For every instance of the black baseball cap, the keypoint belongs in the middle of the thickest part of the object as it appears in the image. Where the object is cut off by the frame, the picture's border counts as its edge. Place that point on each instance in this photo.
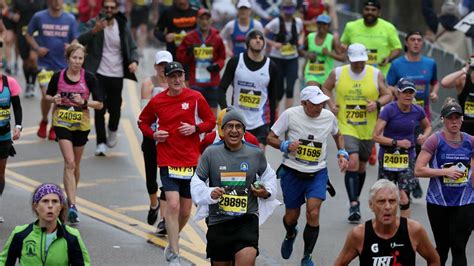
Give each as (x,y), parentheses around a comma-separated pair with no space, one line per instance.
(173,67)
(375,3)
(451,109)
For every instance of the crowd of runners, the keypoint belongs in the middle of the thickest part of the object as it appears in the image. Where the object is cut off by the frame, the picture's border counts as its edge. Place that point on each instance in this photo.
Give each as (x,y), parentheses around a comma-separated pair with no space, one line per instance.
(204,148)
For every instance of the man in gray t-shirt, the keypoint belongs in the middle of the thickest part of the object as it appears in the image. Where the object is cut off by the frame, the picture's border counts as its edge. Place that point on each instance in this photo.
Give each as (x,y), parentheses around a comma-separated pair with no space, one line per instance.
(238,175)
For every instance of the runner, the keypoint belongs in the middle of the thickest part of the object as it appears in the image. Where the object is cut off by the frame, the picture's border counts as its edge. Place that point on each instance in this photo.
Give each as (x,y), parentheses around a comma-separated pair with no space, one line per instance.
(394,131)
(204,52)
(253,77)
(462,81)
(55,30)
(450,196)
(178,109)
(387,239)
(113,57)
(63,244)
(139,14)
(233,179)
(9,96)
(303,173)
(360,92)
(322,48)
(235,31)
(151,87)
(69,90)
(288,36)
(173,24)
(312,9)
(422,70)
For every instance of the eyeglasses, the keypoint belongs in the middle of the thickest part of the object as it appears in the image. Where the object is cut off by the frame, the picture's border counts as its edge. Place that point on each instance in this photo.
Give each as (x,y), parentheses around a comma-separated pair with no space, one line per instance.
(233,126)
(109,7)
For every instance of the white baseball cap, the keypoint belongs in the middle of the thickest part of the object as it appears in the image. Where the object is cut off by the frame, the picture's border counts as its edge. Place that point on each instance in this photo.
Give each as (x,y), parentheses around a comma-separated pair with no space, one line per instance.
(244,3)
(163,56)
(357,52)
(313,94)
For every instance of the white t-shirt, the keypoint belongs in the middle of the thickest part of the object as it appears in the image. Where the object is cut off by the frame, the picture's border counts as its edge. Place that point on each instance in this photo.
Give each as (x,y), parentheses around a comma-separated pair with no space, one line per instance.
(111,63)
(274,27)
(293,124)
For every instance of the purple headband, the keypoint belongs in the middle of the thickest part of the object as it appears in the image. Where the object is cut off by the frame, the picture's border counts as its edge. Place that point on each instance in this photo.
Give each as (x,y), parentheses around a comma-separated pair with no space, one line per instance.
(46,189)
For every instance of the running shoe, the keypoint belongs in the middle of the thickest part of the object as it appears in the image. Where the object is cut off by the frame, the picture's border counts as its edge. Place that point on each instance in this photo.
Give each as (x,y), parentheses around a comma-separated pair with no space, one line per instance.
(42,129)
(30,91)
(73,215)
(307,261)
(101,149)
(171,257)
(417,191)
(111,138)
(153,214)
(354,214)
(287,246)
(1,219)
(52,134)
(161,228)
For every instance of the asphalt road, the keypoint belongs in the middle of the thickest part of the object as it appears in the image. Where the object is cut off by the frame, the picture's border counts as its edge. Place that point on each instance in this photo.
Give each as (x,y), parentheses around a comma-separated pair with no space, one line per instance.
(113,201)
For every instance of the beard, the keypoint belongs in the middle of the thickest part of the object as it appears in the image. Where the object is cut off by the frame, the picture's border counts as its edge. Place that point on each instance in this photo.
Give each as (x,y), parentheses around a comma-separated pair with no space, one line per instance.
(370,19)
(255,50)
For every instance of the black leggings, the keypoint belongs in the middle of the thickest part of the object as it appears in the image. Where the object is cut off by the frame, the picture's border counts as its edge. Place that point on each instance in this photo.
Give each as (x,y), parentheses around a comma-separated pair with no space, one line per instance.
(451,228)
(112,89)
(149,156)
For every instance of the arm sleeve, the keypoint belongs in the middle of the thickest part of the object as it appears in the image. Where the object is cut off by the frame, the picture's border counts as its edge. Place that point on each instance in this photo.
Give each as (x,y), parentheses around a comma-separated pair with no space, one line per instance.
(434,77)
(268,178)
(206,115)
(345,38)
(392,76)
(250,138)
(220,53)
(53,84)
(77,251)
(33,25)
(394,40)
(132,46)
(9,254)
(206,141)
(87,36)
(181,52)
(93,85)
(18,112)
(272,88)
(430,16)
(200,191)
(226,80)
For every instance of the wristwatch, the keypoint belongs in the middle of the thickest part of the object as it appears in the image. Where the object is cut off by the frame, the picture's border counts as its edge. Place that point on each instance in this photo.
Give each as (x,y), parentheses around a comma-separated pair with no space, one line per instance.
(394,142)
(19,127)
(196,127)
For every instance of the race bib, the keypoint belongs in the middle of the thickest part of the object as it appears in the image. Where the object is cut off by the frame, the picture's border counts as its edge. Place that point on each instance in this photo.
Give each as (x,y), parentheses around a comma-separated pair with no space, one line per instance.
(203,53)
(288,50)
(372,55)
(69,117)
(233,205)
(308,151)
(5,114)
(356,114)
(469,108)
(180,172)
(420,102)
(316,68)
(201,74)
(462,181)
(249,99)
(44,76)
(395,161)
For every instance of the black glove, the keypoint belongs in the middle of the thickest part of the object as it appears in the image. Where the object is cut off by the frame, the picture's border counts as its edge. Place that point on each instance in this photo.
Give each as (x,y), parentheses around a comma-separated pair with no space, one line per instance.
(213,68)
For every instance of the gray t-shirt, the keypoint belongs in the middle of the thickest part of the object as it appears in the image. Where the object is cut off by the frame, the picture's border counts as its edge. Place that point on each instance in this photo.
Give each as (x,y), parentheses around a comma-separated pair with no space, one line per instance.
(234,171)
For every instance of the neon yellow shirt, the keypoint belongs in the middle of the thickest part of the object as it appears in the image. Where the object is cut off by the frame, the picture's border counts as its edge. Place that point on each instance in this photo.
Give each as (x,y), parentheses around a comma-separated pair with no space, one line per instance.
(379,40)
(351,97)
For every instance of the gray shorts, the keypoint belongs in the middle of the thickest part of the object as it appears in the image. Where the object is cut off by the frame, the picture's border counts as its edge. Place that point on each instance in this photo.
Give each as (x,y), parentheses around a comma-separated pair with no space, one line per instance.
(362,147)
(405,180)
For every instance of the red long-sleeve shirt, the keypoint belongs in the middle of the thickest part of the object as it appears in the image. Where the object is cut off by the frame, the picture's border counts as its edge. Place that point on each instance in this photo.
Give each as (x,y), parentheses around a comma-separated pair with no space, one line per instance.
(188,107)
(86,12)
(193,39)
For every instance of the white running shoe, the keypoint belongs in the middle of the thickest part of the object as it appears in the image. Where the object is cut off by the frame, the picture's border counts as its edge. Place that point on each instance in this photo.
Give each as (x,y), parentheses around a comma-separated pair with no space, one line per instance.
(101,149)
(1,219)
(111,138)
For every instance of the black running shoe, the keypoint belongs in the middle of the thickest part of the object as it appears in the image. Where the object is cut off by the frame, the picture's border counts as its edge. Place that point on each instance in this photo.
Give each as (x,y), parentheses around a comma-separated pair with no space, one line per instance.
(153,214)
(161,228)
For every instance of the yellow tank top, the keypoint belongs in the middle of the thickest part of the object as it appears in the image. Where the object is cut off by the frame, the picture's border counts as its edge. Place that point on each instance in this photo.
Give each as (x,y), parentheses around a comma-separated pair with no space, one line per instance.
(351,97)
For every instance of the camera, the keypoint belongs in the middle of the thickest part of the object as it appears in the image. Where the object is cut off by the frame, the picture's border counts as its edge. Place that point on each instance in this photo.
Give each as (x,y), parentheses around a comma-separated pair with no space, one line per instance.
(102,16)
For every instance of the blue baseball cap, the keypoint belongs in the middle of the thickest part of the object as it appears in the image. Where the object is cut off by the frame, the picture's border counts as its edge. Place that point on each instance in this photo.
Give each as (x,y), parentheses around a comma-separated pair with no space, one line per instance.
(323,19)
(406,84)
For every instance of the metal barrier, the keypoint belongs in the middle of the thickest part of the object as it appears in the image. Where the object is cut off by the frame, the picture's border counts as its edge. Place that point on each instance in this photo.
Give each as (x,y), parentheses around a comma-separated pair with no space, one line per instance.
(446,63)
